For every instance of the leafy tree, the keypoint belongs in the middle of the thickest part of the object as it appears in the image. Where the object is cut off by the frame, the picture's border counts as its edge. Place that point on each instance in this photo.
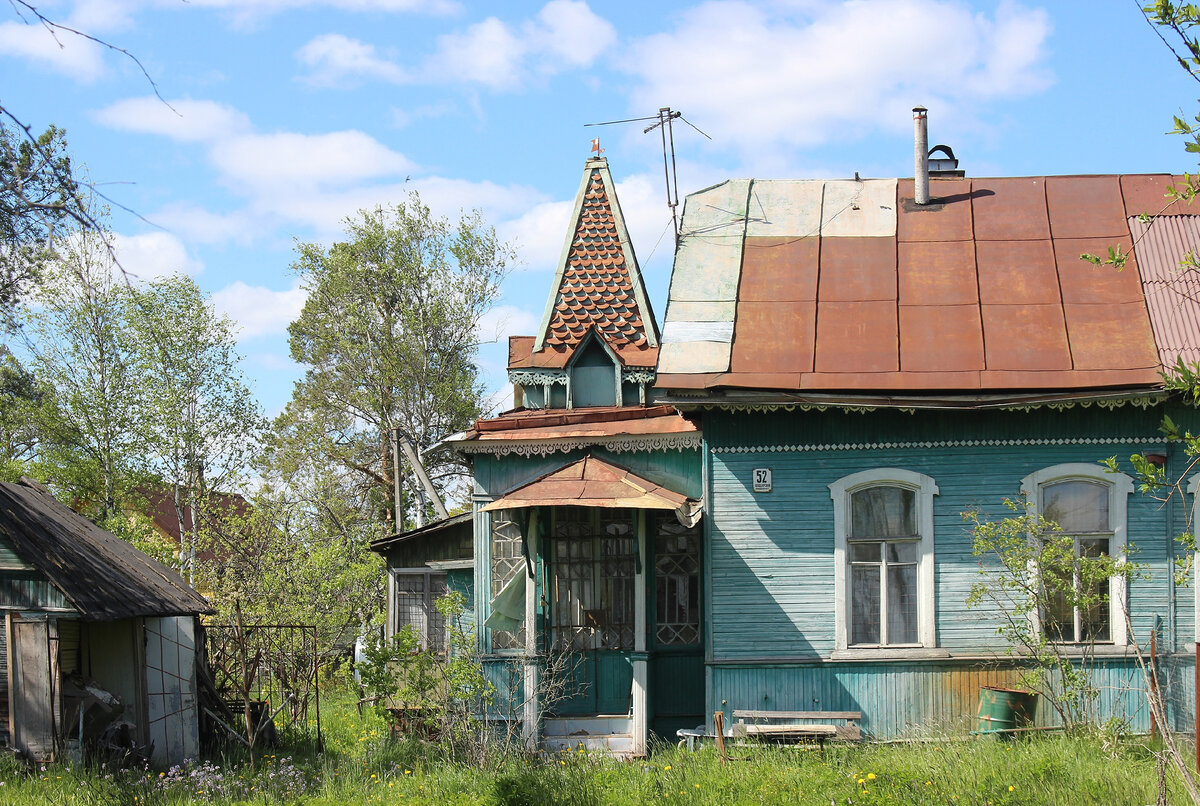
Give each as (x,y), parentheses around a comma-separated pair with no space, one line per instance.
(38,194)
(200,424)
(388,337)
(91,441)
(21,400)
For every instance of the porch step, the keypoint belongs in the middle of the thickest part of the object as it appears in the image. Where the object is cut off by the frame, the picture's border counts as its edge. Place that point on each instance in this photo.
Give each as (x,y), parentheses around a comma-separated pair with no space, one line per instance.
(610,734)
(586,725)
(616,744)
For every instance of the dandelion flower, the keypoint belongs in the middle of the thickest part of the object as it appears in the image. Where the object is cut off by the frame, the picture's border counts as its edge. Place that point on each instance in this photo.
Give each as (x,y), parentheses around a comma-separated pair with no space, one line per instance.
(696,785)
(667,767)
(870,776)
(1011,788)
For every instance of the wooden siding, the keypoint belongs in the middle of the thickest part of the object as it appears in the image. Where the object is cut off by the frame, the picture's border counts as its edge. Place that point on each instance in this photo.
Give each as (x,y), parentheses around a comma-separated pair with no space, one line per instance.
(30,590)
(929,698)
(771,554)
(9,559)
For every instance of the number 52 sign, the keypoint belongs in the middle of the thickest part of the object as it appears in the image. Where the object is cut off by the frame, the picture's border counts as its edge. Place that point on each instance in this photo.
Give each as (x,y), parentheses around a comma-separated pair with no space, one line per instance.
(762,479)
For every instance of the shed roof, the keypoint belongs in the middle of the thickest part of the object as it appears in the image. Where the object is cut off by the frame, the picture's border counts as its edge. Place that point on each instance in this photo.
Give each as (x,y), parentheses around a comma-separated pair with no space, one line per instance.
(103,577)
(848,286)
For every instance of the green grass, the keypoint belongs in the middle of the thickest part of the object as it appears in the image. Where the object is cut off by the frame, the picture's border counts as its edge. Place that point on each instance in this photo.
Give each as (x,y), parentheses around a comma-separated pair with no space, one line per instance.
(361,765)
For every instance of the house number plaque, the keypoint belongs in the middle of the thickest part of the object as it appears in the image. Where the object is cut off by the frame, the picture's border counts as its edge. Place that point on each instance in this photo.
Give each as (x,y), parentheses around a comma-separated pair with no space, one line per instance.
(762,479)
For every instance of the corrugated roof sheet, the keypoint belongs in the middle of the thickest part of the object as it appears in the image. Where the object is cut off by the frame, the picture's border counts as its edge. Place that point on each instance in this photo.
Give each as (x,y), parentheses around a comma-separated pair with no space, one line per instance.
(104,577)
(598,286)
(981,290)
(1172,290)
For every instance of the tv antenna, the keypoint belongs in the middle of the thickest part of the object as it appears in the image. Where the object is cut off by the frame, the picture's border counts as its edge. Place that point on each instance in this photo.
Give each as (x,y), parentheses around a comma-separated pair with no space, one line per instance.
(663,121)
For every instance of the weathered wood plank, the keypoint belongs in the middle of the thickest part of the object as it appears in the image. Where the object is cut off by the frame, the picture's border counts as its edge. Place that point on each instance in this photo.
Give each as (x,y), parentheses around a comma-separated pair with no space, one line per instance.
(740,714)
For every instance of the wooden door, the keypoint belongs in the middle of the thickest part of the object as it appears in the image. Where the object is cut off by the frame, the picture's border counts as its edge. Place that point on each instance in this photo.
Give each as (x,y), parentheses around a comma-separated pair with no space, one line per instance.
(34,687)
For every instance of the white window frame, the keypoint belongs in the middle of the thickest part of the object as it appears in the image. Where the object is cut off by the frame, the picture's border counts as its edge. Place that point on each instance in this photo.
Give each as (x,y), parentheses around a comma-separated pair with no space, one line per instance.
(1193,489)
(925,489)
(1120,487)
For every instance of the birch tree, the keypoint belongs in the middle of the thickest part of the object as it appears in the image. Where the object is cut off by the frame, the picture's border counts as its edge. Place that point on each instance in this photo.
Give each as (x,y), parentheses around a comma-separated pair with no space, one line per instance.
(200,422)
(388,340)
(83,352)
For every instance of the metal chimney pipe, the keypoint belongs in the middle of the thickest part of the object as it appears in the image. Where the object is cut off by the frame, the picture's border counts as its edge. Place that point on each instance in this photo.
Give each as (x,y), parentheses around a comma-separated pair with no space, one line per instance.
(920,155)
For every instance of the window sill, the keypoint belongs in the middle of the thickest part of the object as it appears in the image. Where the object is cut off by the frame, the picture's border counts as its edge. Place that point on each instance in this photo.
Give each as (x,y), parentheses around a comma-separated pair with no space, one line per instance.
(889,653)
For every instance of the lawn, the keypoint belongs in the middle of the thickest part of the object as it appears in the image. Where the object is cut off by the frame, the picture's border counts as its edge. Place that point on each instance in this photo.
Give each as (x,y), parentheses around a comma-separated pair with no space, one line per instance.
(361,765)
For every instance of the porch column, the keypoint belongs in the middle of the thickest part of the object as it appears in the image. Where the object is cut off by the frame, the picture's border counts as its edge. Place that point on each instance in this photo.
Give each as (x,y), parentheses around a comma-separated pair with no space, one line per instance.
(640,667)
(530,715)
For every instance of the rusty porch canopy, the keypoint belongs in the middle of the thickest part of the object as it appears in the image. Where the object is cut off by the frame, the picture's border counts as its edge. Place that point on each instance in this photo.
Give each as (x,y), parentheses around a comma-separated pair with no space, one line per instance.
(593,482)
(790,289)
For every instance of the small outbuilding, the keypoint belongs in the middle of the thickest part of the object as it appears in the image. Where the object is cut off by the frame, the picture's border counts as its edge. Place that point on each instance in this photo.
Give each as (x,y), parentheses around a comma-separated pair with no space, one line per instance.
(99,640)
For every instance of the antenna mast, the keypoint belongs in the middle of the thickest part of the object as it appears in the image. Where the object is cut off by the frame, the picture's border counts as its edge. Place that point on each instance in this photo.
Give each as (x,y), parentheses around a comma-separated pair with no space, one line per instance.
(663,121)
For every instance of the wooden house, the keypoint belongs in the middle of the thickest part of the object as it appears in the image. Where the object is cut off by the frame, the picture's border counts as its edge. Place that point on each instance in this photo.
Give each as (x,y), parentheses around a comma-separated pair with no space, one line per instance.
(762,507)
(95,633)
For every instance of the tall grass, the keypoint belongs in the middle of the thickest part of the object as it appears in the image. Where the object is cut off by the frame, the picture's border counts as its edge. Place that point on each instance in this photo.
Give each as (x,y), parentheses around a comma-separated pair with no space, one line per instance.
(360,764)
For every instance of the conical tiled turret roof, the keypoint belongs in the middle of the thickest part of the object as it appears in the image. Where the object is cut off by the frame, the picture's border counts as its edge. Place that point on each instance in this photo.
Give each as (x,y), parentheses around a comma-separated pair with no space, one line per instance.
(598,286)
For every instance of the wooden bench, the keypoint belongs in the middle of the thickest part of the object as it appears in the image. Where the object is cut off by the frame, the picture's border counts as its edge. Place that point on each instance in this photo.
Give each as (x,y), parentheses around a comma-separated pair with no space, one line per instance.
(795,731)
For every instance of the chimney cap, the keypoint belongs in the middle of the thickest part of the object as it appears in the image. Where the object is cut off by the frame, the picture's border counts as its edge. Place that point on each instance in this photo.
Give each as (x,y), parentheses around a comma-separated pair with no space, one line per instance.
(920,109)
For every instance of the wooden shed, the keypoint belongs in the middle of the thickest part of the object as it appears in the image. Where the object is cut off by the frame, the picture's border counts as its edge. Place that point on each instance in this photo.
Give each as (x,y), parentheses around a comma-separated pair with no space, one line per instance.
(97,636)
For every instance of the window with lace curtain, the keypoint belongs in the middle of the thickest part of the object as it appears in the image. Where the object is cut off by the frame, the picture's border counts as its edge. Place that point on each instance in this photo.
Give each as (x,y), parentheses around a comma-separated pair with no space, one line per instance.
(884,597)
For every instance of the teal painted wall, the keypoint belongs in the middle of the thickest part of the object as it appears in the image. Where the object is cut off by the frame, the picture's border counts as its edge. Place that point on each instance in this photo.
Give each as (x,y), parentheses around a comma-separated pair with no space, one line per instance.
(928,698)
(30,590)
(593,378)
(770,556)
(462,580)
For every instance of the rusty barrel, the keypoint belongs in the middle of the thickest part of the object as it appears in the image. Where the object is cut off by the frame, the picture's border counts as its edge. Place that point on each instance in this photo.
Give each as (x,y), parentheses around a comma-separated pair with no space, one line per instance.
(1003,710)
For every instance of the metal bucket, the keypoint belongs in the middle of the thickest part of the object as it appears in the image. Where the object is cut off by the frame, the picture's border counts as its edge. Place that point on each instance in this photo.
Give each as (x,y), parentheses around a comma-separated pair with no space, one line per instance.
(1004,710)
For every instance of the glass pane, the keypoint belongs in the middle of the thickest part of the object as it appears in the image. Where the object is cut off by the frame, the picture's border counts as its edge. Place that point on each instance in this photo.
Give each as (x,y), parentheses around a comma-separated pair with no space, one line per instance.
(1059,619)
(883,512)
(1093,547)
(864,611)
(1095,619)
(902,552)
(864,552)
(1077,506)
(902,604)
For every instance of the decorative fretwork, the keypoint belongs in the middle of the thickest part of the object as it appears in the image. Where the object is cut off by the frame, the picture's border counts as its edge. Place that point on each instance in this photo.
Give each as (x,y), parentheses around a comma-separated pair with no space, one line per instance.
(677,582)
(507,561)
(638,375)
(941,443)
(537,377)
(592,554)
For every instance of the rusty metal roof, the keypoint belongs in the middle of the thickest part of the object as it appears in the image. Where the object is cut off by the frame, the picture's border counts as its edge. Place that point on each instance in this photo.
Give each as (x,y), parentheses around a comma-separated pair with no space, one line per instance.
(103,577)
(844,286)
(591,482)
(598,287)
(596,422)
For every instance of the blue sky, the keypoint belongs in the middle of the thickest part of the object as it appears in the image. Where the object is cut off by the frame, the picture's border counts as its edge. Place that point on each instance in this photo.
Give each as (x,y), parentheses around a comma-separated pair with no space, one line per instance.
(289,115)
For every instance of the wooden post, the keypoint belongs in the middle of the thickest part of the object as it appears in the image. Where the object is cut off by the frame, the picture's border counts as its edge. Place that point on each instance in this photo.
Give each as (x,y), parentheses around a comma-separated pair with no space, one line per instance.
(1196,697)
(719,727)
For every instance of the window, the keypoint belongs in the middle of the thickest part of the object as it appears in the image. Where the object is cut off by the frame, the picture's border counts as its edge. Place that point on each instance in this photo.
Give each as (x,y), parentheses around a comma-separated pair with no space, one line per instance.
(676,581)
(508,560)
(1088,505)
(883,556)
(414,594)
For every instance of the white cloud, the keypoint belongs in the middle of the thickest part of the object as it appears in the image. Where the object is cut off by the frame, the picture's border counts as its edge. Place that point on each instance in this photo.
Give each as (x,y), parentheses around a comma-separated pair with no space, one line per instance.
(62,52)
(565,34)
(203,226)
(250,11)
(181,119)
(406,117)
(334,58)
(154,254)
(260,311)
(763,77)
(291,161)
(503,321)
